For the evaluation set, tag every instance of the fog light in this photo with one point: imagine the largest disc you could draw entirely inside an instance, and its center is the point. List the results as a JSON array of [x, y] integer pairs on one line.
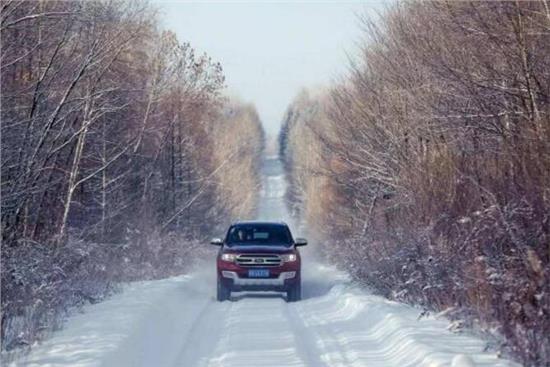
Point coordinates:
[[289, 274], [228, 274]]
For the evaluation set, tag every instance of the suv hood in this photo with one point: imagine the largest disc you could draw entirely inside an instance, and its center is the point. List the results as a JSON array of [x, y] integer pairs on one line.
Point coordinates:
[[271, 249]]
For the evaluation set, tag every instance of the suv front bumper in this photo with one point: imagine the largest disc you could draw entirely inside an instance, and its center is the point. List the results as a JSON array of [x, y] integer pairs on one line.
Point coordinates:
[[284, 281]]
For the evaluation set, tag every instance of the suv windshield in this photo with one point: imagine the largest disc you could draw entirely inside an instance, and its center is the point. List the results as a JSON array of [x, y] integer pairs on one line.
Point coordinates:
[[259, 234]]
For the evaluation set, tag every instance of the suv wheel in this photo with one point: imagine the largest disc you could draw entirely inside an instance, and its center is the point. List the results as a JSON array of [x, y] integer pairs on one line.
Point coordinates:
[[223, 293], [294, 294]]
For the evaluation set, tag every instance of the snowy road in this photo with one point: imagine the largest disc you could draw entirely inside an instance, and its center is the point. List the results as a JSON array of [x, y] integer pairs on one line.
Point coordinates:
[[177, 322]]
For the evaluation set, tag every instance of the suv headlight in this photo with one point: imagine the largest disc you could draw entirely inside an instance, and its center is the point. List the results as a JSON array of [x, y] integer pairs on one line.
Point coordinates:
[[229, 257], [289, 257]]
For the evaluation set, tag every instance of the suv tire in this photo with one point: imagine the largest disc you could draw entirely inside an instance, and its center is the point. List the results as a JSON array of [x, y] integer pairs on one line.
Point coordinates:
[[223, 293], [294, 294]]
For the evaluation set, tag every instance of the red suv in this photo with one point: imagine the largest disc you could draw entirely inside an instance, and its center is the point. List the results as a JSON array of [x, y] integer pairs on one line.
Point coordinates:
[[259, 256]]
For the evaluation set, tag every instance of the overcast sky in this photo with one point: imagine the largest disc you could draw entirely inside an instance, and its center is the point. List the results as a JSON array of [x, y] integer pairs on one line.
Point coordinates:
[[270, 50]]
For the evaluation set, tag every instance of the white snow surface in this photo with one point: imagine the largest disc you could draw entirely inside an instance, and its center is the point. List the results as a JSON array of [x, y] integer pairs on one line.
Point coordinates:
[[178, 322]]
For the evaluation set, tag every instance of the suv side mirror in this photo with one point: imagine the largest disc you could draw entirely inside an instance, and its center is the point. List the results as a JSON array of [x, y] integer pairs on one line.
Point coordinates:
[[216, 242], [300, 242]]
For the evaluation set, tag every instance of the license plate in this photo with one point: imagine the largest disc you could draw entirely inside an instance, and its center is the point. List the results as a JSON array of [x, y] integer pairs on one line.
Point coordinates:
[[258, 273]]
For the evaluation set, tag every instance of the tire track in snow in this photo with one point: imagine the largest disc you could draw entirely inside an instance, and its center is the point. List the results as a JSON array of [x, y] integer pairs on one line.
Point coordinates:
[[208, 326], [307, 342], [257, 332]]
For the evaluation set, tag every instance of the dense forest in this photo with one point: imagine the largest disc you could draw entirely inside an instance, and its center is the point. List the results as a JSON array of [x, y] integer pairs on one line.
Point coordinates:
[[120, 153], [426, 170]]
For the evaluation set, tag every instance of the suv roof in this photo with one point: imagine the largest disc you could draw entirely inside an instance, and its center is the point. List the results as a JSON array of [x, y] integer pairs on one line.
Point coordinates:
[[261, 222]]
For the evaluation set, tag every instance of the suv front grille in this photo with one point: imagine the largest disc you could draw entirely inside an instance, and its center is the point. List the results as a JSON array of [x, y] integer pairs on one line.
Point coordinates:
[[259, 260]]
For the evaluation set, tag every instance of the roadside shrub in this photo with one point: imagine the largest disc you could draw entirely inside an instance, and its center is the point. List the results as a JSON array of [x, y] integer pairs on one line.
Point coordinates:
[[430, 177]]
